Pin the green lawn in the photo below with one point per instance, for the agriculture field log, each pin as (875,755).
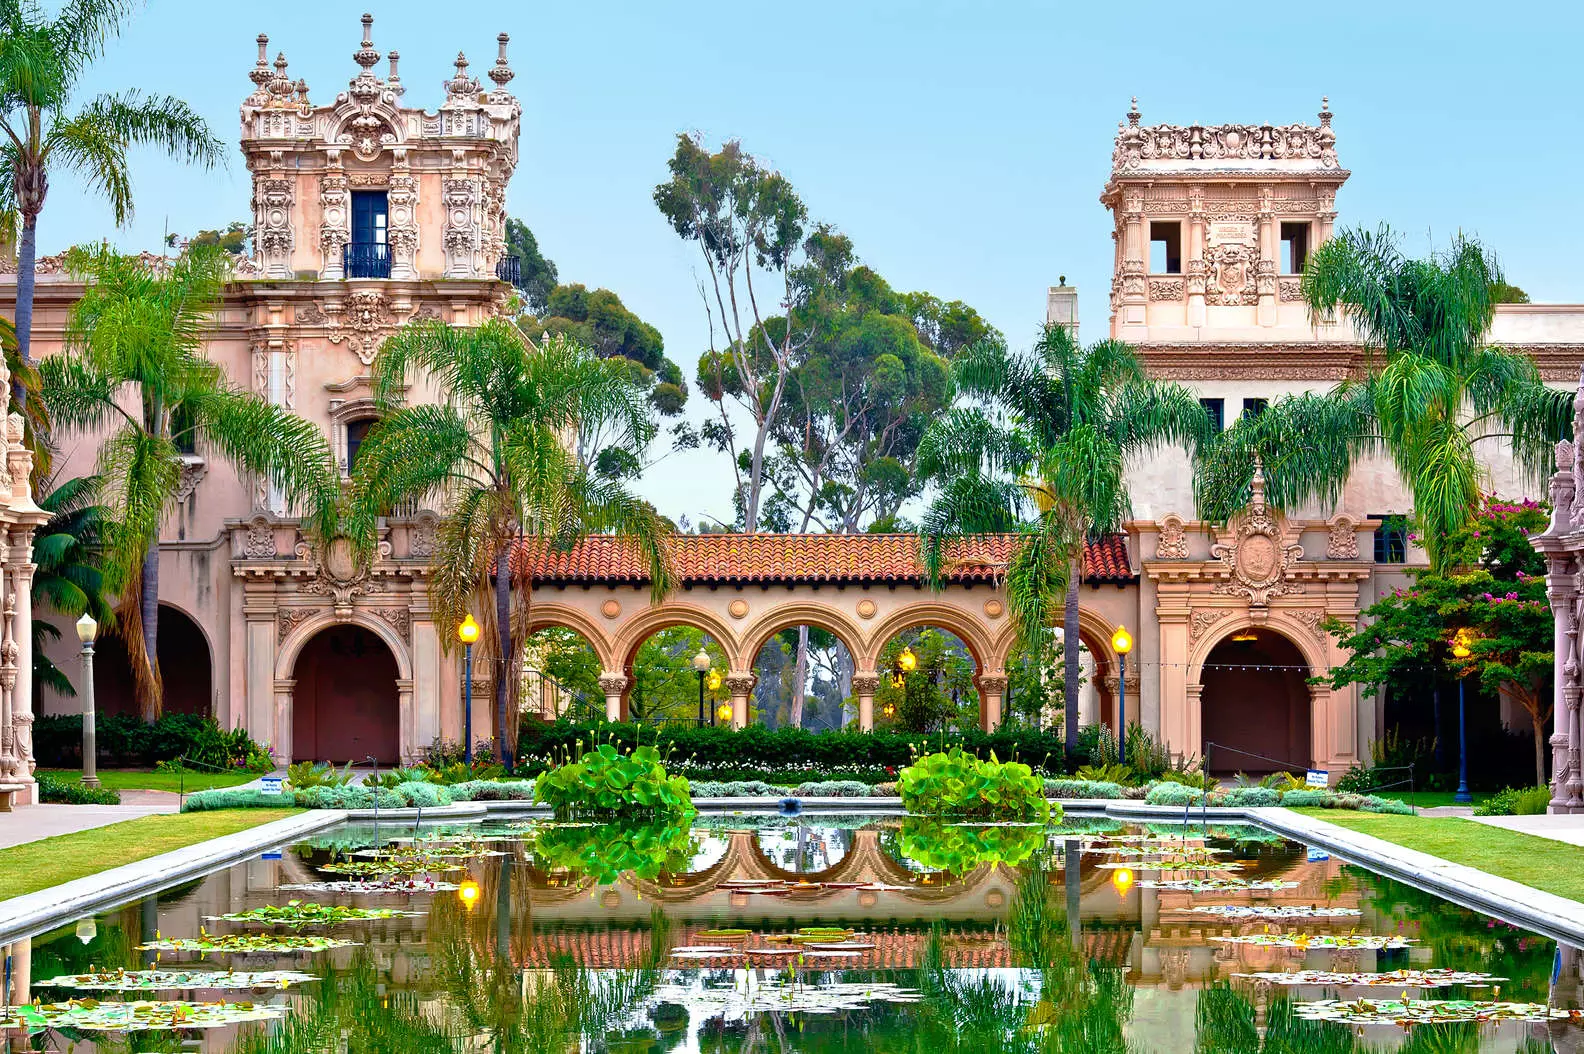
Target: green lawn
(147,779)
(1539,862)
(1431,799)
(51,861)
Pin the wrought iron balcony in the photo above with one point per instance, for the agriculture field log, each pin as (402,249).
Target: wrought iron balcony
(509,269)
(366,260)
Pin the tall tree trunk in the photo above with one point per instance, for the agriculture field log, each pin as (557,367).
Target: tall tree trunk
(799,677)
(1539,734)
(27,262)
(152,703)
(503,643)
(1070,670)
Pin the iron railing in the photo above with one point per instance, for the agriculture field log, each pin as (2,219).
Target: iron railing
(509,269)
(366,260)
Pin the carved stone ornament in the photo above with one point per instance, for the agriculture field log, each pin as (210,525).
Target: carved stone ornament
(867,608)
(611,608)
(340,576)
(367,313)
(1203,619)
(400,620)
(1257,552)
(1290,290)
(1342,541)
(311,314)
(865,683)
(1311,619)
(1173,543)
(288,619)
(738,609)
(1166,289)
(259,541)
(421,543)
(1137,145)
(193,470)
(740,684)
(1231,274)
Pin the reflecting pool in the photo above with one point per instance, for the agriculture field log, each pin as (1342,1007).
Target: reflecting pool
(752,933)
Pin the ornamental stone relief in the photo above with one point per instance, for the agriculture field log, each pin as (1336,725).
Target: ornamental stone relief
(1203,619)
(272,205)
(367,313)
(259,541)
(288,619)
(1342,539)
(1311,619)
(1136,144)
(1257,552)
(1173,543)
(1290,290)
(1166,289)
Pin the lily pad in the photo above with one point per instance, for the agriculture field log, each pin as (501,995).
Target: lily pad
(177,980)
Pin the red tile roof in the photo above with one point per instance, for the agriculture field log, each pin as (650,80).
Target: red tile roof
(783,558)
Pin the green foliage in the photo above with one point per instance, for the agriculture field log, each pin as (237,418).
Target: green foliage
(606,852)
(423,794)
(306,774)
(1201,780)
(348,796)
(492,790)
(954,783)
(538,271)
(232,239)
(665,685)
(1174,794)
(958,848)
(832,789)
(1246,797)
(1118,774)
(938,693)
(54,791)
(1081,788)
(67,579)
(126,741)
(734,789)
(236,798)
(1336,799)
(605,781)
(390,779)
(1530,801)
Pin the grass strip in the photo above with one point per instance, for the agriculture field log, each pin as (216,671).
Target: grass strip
(51,861)
(147,779)
(1542,863)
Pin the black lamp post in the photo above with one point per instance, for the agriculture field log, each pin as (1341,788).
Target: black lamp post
(701,665)
(1122,641)
(1460,651)
(467,633)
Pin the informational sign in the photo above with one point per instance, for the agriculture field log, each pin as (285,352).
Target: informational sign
(270,785)
(1317,855)
(272,854)
(1318,778)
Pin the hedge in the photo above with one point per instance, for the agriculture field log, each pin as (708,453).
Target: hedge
(127,741)
(782,747)
(55,791)
(357,796)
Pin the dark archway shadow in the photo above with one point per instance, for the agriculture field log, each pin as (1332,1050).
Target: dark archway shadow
(1256,705)
(186,667)
(345,704)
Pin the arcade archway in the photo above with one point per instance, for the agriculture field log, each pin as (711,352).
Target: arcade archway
(1255,704)
(345,701)
(185,664)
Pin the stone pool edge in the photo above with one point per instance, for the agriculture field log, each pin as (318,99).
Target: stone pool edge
(33,913)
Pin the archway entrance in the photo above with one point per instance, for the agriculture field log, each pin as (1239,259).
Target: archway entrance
(1255,704)
(345,705)
(186,669)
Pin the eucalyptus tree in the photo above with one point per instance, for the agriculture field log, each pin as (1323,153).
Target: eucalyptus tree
(43,59)
(1433,390)
(1039,449)
(500,457)
(134,376)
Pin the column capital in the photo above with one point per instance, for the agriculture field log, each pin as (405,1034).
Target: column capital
(865,682)
(610,683)
(739,682)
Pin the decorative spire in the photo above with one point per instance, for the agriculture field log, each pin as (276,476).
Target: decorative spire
(1257,486)
(260,74)
(461,85)
(301,88)
(394,80)
(501,73)
(280,85)
(365,55)
(1325,111)
(1133,113)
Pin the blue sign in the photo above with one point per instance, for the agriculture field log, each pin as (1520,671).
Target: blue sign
(273,854)
(270,785)
(1317,855)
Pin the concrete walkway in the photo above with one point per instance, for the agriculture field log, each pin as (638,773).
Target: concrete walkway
(29,823)
(1569,829)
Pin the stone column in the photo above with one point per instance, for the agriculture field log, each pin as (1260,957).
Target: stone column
(260,642)
(614,685)
(1193,257)
(281,721)
(22,701)
(1269,249)
(1193,713)
(1134,304)
(741,685)
(1559,591)
(1179,701)
(864,685)
(408,748)
(992,689)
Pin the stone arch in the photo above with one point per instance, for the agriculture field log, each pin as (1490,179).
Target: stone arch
(292,645)
(348,715)
(967,628)
(1261,715)
(1297,633)
(548,615)
(652,620)
(1094,632)
(189,688)
(801,613)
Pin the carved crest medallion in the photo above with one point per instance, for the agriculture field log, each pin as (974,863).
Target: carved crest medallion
(1257,551)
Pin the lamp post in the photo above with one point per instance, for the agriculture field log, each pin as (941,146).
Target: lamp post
(1122,641)
(1460,651)
(701,665)
(467,633)
(87,630)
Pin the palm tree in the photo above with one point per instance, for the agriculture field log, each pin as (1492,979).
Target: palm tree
(501,457)
(134,376)
(1042,454)
(42,59)
(26,400)
(67,579)
(1433,390)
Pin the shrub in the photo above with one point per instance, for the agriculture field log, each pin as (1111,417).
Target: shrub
(236,798)
(1081,789)
(127,741)
(1357,779)
(493,790)
(960,784)
(390,779)
(1531,801)
(1146,755)
(1173,794)
(832,789)
(1245,797)
(306,774)
(885,790)
(1313,797)
(1387,805)
(734,789)
(1121,775)
(55,791)
(1189,778)
(420,794)
(340,796)
(606,781)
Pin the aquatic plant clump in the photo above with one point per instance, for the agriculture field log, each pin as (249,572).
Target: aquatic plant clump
(245,943)
(605,781)
(776,994)
(297,913)
(604,852)
(177,980)
(1213,885)
(957,784)
(1408,1013)
(1293,911)
(1312,941)
(392,887)
(959,849)
(1393,979)
(91,1015)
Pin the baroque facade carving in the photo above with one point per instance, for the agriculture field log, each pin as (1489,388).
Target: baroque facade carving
(367,314)
(1342,539)
(1203,619)
(1137,145)
(1166,289)
(1256,552)
(1173,542)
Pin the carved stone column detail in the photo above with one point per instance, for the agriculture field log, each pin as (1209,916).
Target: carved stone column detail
(864,685)
(335,226)
(740,684)
(403,232)
(272,220)
(460,199)
(614,685)
(992,691)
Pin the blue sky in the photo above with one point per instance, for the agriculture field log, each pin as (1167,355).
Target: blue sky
(961,145)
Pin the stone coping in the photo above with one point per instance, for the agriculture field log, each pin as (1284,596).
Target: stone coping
(1521,905)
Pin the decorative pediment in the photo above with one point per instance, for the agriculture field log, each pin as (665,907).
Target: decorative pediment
(1258,549)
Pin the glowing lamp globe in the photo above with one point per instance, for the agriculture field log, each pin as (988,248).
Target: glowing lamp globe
(907,660)
(1122,880)
(714,680)
(468,893)
(1122,640)
(701,661)
(724,712)
(468,632)
(87,628)
(1460,646)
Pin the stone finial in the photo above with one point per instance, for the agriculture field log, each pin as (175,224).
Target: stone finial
(365,55)
(461,85)
(394,80)
(1325,111)
(501,73)
(1257,485)
(260,74)
(1133,113)
(280,84)
(301,88)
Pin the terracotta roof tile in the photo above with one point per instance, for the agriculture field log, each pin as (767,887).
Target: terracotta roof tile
(779,558)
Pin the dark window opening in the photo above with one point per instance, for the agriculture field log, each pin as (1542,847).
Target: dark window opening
(1216,408)
(1294,247)
(356,432)
(368,253)
(1254,407)
(1391,538)
(182,431)
(1165,248)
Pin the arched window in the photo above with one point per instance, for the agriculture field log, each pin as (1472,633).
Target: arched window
(357,430)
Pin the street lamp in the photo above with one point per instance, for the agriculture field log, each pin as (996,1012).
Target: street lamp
(701,665)
(1122,641)
(467,633)
(87,630)
(1460,651)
